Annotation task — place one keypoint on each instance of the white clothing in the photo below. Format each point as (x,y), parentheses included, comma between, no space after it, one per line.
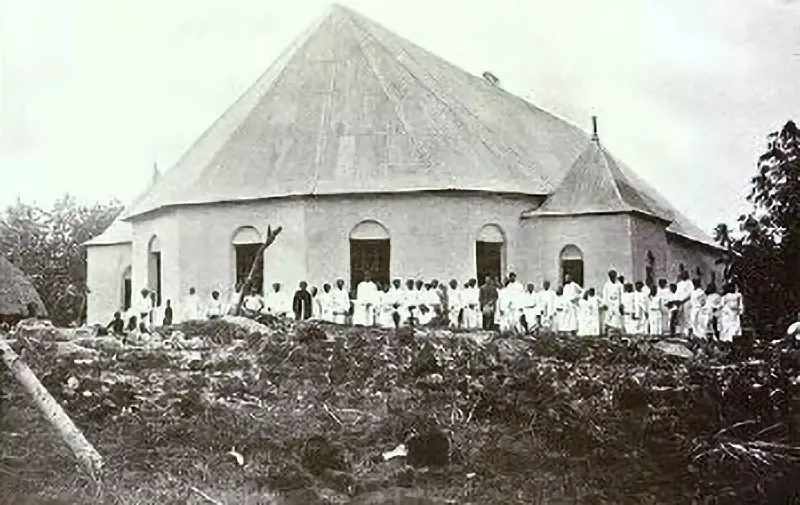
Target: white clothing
(214,308)
(253,303)
(340,305)
(455,304)
(664,295)
(730,317)
(612,299)
(326,306)
(546,306)
(655,315)
(278,303)
(642,311)
(316,306)
(794,330)
(470,302)
(589,317)
(363,305)
(630,311)
(527,307)
(391,304)
(430,299)
(696,300)
(192,309)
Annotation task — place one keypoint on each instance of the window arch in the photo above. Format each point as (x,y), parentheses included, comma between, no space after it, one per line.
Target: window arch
(154,280)
(246,242)
(571,263)
(490,252)
(370,251)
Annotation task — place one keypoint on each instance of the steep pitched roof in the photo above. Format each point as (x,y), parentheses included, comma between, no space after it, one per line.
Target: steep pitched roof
(119,232)
(351,107)
(597,183)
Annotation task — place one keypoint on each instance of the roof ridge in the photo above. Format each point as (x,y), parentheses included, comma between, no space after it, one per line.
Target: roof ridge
(459,117)
(607,165)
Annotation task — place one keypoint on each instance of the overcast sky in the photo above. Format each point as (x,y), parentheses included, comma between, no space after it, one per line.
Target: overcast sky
(95,91)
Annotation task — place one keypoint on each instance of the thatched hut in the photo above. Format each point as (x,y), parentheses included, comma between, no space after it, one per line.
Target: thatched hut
(16,292)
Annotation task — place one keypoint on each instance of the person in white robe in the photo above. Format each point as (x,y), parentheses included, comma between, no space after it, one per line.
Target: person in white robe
(696,302)
(573,294)
(546,306)
(642,293)
(393,309)
(593,314)
(340,303)
(527,310)
(514,286)
(191,307)
(278,302)
(655,312)
(428,300)
(587,308)
(214,307)
(456,312)
(325,300)
(316,306)
(144,307)
(470,302)
(559,307)
(630,310)
(665,296)
(683,295)
(612,304)
(253,304)
(569,313)
(233,299)
(730,315)
(363,305)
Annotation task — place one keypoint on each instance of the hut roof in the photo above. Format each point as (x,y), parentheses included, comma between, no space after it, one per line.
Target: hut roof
(16,291)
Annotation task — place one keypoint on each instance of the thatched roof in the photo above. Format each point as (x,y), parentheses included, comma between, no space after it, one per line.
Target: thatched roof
(351,107)
(16,291)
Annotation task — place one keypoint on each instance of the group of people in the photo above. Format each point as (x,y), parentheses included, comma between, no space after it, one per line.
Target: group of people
(684,307)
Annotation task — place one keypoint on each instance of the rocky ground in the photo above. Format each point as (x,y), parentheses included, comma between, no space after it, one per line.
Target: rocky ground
(238,412)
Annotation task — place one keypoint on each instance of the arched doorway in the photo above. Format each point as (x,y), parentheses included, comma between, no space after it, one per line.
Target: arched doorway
(246,242)
(571,260)
(154,267)
(489,252)
(127,290)
(370,251)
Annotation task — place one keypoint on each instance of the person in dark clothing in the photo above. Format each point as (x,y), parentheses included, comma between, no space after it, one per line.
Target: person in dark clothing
(488,302)
(302,303)
(168,314)
(117,325)
(132,324)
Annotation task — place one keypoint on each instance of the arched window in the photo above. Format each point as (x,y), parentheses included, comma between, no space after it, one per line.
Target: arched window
(126,288)
(370,251)
(490,251)
(246,242)
(571,259)
(154,267)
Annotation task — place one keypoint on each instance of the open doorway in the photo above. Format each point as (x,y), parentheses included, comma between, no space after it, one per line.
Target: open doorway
(489,253)
(127,289)
(246,244)
(572,264)
(154,267)
(370,251)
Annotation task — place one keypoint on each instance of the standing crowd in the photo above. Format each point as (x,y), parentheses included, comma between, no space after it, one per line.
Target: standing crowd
(684,307)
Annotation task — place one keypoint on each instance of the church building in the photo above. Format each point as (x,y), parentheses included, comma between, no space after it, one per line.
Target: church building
(374,154)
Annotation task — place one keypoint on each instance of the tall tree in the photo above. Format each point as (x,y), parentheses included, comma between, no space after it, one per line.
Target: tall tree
(768,261)
(46,244)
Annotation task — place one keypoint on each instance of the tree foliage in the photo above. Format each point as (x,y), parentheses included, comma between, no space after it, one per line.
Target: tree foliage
(764,257)
(46,244)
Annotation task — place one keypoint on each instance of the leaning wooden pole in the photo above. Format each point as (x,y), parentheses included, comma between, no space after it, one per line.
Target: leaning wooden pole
(86,455)
(271,236)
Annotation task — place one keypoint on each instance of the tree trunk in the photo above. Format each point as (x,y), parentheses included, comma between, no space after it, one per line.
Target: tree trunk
(271,236)
(86,455)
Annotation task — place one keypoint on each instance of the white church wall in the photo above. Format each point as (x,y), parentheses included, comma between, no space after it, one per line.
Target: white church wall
(649,235)
(164,226)
(604,241)
(106,265)
(432,234)
(692,255)
(207,259)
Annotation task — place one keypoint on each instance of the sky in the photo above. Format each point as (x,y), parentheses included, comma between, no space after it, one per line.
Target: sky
(93,92)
